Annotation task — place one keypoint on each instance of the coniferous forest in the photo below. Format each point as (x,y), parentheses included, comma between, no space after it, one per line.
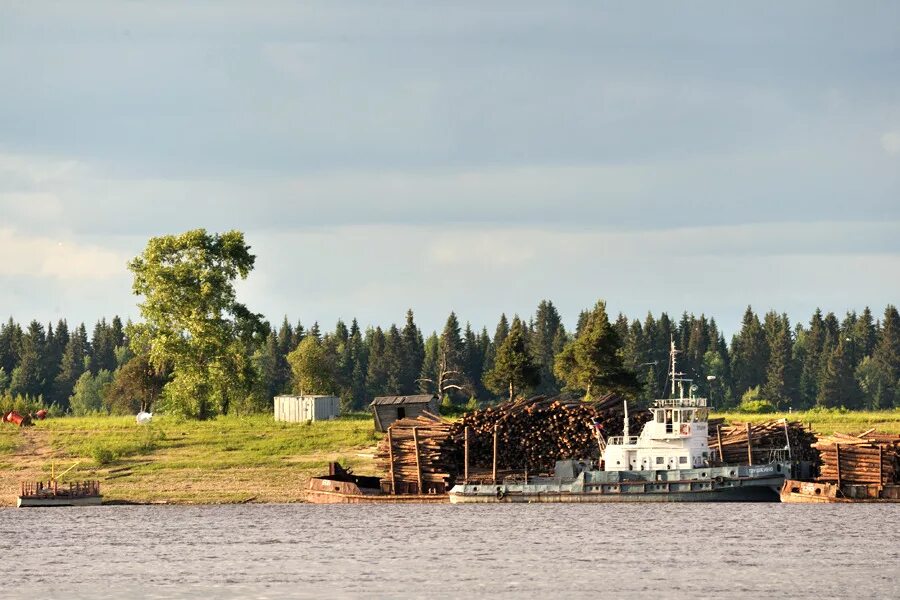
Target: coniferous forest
(771,363)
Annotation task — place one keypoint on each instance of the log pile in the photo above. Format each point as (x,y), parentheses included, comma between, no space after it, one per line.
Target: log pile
(418,456)
(867,458)
(766,441)
(427,454)
(532,434)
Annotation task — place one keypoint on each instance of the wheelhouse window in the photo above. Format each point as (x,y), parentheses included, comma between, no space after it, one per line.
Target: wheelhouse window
(682,460)
(660,460)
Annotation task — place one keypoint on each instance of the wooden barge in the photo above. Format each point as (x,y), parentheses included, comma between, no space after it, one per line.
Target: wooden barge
(51,493)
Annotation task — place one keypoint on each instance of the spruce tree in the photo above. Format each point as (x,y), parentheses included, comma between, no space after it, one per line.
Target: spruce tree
(836,379)
(451,371)
(10,345)
(544,341)
(430,365)
(810,343)
(28,378)
(377,375)
(779,387)
(514,369)
(473,361)
(413,353)
(749,354)
(359,358)
(592,362)
(394,360)
(887,358)
(72,365)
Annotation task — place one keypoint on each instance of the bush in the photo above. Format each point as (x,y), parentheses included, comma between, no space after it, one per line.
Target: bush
(756,407)
(24,405)
(102,455)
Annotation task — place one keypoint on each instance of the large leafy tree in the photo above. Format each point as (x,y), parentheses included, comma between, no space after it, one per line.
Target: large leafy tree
(592,362)
(135,386)
(313,367)
(514,369)
(193,320)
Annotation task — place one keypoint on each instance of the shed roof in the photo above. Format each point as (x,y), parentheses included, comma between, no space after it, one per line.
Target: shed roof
(388,400)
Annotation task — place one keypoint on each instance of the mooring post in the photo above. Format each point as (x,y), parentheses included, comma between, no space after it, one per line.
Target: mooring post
(837,449)
(391,458)
(495,453)
(749,447)
(466,454)
(719,436)
(787,439)
(418,462)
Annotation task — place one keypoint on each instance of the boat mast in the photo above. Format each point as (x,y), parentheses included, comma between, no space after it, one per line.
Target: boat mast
(674,375)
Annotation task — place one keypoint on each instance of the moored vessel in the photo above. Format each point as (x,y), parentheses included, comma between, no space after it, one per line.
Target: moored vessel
(341,486)
(670,461)
(52,493)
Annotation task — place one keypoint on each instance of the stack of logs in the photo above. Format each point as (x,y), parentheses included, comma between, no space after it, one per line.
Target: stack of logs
(533,434)
(744,443)
(418,455)
(428,454)
(867,458)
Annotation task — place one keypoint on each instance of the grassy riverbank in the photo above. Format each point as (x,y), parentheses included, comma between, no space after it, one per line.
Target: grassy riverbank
(830,421)
(225,460)
(238,459)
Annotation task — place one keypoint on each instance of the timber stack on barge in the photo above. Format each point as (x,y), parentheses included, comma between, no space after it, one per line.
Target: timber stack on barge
(854,468)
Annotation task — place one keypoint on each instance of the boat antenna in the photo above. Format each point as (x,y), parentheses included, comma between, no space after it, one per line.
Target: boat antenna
(672,353)
(627,430)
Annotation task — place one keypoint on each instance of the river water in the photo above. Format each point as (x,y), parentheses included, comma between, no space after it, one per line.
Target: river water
(445,551)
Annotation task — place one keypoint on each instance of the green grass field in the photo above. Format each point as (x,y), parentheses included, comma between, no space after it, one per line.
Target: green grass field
(829,421)
(229,459)
(241,459)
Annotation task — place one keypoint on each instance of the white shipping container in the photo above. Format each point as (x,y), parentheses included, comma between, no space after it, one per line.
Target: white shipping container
(296,409)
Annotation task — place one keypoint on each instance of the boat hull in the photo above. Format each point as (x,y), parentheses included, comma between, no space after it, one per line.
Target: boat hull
(721,484)
(322,497)
(346,490)
(31,502)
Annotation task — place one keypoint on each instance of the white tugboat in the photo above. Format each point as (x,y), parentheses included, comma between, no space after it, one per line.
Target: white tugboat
(670,461)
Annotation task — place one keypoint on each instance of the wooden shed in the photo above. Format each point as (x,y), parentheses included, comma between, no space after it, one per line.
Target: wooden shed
(388,409)
(296,409)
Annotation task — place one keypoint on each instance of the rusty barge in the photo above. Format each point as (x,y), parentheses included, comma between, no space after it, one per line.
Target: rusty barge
(341,486)
(819,492)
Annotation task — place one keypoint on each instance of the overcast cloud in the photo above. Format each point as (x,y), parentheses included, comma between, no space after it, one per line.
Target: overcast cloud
(384,155)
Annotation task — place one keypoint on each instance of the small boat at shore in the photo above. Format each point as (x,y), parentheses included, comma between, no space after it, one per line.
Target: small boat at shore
(52,493)
(670,461)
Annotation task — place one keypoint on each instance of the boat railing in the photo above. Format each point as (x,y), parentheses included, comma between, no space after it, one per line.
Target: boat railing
(621,440)
(680,402)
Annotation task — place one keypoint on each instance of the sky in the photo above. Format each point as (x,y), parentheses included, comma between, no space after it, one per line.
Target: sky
(467,156)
